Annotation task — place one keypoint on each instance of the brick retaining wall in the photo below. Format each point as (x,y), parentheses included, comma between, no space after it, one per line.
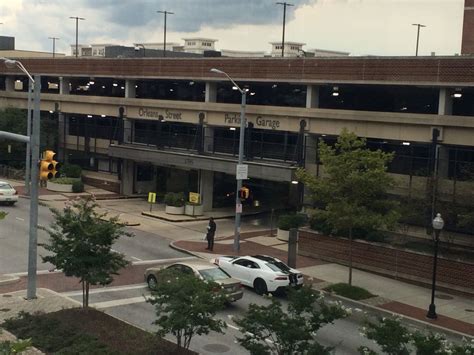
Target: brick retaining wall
(389,261)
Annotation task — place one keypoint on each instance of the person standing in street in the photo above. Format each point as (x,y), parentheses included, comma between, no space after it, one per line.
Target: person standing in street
(211,232)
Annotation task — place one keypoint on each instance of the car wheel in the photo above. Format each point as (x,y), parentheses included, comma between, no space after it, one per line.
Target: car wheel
(151,280)
(11,203)
(260,287)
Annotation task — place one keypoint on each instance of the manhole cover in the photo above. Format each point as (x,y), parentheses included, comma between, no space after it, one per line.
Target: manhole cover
(4,309)
(444,297)
(7,296)
(470,310)
(216,348)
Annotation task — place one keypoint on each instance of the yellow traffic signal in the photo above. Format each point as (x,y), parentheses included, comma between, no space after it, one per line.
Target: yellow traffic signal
(244,193)
(48,166)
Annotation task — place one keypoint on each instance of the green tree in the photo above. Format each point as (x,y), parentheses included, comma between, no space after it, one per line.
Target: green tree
(2,215)
(185,306)
(395,339)
(353,187)
(81,242)
(292,331)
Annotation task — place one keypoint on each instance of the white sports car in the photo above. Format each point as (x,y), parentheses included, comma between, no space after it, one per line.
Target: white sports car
(263,273)
(8,194)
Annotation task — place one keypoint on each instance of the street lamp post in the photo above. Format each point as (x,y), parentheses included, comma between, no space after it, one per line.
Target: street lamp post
(285,5)
(238,205)
(77,31)
(33,139)
(54,45)
(164,41)
(438,225)
(417,36)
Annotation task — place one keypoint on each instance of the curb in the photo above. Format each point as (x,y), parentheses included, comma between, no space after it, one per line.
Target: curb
(198,218)
(9,280)
(364,306)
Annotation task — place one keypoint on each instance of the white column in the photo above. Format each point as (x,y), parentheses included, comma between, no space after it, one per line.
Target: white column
(445,106)
(9,83)
(211,92)
(312,96)
(64,87)
(208,139)
(127,177)
(130,90)
(206,189)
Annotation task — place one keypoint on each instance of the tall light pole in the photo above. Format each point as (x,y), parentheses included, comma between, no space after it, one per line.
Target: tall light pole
(77,32)
(54,45)
(417,36)
(285,5)
(33,139)
(438,224)
(164,41)
(238,204)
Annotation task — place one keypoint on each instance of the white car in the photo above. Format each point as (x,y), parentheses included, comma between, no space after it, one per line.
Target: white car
(8,194)
(263,273)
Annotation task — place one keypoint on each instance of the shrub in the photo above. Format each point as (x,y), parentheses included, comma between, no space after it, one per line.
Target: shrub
(77,186)
(175,199)
(71,170)
(288,221)
(318,222)
(352,292)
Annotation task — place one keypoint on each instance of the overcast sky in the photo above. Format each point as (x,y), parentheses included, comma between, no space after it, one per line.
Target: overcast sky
(376,27)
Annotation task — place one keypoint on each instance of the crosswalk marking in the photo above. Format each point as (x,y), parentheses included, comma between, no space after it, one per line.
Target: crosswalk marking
(106,289)
(122,302)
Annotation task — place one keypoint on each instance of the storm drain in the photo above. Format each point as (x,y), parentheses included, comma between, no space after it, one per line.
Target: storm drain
(216,348)
(444,297)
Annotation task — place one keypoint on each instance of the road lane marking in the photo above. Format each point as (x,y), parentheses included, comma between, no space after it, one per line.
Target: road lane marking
(162,261)
(121,302)
(20,219)
(106,289)
(136,259)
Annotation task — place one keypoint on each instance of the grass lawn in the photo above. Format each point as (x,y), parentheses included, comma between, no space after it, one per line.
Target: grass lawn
(352,292)
(78,331)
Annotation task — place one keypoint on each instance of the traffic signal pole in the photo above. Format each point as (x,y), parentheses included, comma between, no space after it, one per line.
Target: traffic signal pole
(33,239)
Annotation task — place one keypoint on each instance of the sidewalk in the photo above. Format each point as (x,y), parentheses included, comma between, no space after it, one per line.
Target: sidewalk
(455,313)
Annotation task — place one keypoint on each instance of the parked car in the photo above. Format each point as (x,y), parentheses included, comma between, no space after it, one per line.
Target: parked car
(204,270)
(261,272)
(8,194)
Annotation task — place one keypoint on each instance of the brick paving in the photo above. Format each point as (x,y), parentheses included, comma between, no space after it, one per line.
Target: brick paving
(418,313)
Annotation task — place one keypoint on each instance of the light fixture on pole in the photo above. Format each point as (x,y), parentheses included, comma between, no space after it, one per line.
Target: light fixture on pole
(438,225)
(417,36)
(33,139)
(238,204)
(285,5)
(54,44)
(164,41)
(77,32)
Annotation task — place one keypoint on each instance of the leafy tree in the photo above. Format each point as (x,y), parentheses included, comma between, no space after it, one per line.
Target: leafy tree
(81,242)
(185,306)
(353,188)
(395,339)
(292,331)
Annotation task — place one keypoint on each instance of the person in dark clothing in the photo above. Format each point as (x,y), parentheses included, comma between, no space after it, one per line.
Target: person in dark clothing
(211,231)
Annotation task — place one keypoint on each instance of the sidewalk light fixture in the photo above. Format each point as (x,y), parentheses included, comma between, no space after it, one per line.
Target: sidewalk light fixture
(438,225)
(33,138)
(238,208)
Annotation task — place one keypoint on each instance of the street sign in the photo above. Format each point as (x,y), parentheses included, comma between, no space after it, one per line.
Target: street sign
(238,208)
(242,172)
(152,197)
(194,197)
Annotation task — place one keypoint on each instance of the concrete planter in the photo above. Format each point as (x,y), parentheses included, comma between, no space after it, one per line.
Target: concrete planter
(193,210)
(174,210)
(51,186)
(283,235)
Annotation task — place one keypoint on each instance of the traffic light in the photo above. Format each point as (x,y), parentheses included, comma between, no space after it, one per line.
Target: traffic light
(49,166)
(244,193)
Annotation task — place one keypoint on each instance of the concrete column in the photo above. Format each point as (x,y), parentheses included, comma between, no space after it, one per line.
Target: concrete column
(206,189)
(208,139)
(130,90)
(211,92)
(442,161)
(311,149)
(64,87)
(127,130)
(9,83)
(445,106)
(312,96)
(128,176)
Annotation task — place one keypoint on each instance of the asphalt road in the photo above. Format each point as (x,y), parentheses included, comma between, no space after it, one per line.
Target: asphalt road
(128,303)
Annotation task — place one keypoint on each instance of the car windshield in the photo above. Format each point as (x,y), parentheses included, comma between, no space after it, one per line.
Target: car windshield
(5,186)
(214,274)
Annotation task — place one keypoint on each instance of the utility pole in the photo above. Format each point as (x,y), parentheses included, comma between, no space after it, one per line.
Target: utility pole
(77,32)
(285,5)
(54,45)
(164,41)
(417,36)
